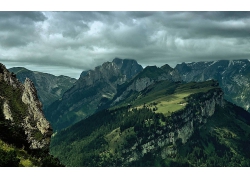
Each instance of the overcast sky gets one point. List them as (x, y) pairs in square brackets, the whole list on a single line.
[(69, 42)]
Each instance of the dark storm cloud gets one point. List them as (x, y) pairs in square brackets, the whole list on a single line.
[(206, 24), (23, 16), (14, 40), (140, 14), (83, 40), (226, 15), (18, 28)]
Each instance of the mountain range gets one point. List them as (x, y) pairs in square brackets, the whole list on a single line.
[(232, 75), (159, 122), (93, 89), (120, 114)]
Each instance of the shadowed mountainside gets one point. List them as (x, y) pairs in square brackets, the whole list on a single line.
[(49, 87)]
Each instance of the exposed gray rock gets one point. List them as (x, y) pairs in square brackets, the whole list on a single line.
[(128, 67), (232, 75), (35, 125), (35, 114), (6, 111)]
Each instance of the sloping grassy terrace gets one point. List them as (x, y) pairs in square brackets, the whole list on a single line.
[(167, 97)]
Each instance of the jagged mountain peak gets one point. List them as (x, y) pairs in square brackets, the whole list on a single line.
[(25, 133), (166, 67), (84, 73), (148, 76), (152, 72), (121, 61), (128, 67), (29, 83), (9, 78), (93, 88), (30, 94), (24, 107), (159, 73), (153, 67)]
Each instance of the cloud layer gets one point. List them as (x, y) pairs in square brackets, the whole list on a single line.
[(70, 42)]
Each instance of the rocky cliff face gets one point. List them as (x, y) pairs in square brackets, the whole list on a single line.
[(128, 67), (149, 76), (93, 88), (22, 107), (49, 87), (182, 127), (35, 114), (232, 75)]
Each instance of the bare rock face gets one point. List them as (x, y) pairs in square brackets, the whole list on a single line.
[(8, 77), (141, 84), (35, 114), (29, 115), (7, 111), (128, 67)]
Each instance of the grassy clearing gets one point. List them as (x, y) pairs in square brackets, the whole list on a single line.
[(4, 146), (113, 139), (25, 159), (80, 113), (167, 104), (167, 108), (161, 102)]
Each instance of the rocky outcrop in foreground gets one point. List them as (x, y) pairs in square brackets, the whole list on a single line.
[(22, 107), (49, 87)]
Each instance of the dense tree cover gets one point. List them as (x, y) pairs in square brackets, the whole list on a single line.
[(12, 133), (204, 148), (48, 160), (90, 135), (8, 159)]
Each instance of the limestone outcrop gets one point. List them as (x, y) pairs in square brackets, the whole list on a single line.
[(21, 105)]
